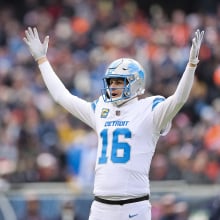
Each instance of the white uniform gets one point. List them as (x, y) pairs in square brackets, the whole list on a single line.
[(127, 140), (127, 137)]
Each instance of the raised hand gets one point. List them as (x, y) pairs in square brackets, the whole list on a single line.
[(196, 44), (37, 49)]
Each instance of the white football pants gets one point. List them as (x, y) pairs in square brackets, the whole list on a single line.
[(132, 211)]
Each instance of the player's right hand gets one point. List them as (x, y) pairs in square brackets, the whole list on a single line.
[(37, 49)]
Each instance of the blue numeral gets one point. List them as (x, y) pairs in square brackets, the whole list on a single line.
[(104, 136), (116, 146)]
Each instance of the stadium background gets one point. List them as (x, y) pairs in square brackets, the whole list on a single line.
[(47, 156)]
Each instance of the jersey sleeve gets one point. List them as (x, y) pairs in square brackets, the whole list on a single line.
[(78, 107), (166, 109)]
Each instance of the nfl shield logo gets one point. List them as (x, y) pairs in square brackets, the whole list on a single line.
[(118, 113)]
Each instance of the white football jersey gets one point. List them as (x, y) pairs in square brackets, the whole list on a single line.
[(127, 138), (127, 135)]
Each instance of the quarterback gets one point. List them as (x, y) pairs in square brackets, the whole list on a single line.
[(128, 127)]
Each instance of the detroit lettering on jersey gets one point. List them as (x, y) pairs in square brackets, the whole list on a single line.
[(116, 123)]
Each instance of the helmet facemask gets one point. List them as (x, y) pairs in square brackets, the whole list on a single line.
[(107, 92)]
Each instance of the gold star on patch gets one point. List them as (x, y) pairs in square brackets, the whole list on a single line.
[(104, 113)]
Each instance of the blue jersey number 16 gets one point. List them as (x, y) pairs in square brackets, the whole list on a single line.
[(116, 146)]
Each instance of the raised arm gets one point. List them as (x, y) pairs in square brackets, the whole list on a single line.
[(78, 107), (167, 109)]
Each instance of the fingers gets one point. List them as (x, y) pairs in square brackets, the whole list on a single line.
[(199, 36), (197, 40), (46, 41), (194, 42), (31, 34), (28, 35), (35, 32), (26, 41)]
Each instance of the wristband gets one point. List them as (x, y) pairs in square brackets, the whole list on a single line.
[(41, 60), (194, 61), (192, 64)]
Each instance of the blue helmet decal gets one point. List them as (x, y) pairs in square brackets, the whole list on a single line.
[(132, 67), (141, 74)]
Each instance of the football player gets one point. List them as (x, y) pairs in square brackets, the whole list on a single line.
[(128, 127)]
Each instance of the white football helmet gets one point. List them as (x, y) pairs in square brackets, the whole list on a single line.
[(134, 80)]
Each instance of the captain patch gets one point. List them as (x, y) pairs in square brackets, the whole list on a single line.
[(104, 113)]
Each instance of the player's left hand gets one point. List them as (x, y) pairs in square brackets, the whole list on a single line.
[(196, 44), (37, 49)]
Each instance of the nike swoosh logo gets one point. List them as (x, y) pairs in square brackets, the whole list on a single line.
[(131, 216)]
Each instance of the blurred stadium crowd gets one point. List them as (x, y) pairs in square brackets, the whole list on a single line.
[(40, 141)]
